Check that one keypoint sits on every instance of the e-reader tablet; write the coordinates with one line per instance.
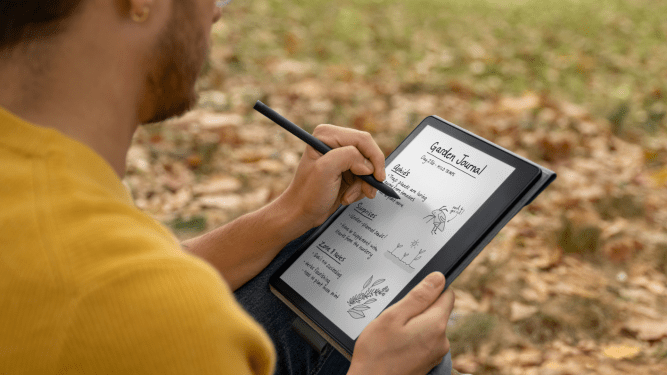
(457, 191)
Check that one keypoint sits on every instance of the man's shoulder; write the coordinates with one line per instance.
(168, 311)
(169, 279)
(125, 240)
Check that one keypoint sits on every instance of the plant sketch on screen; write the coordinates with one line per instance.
(440, 217)
(363, 300)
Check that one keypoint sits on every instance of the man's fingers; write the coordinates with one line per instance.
(336, 137)
(346, 158)
(357, 191)
(421, 297)
(352, 194)
(368, 190)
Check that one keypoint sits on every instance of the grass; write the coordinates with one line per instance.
(607, 56)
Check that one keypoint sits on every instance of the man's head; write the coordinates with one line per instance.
(22, 20)
(164, 42)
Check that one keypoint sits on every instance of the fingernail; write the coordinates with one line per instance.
(435, 279)
(369, 165)
(351, 194)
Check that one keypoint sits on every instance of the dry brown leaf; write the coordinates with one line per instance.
(517, 105)
(228, 202)
(310, 89)
(271, 166)
(465, 302)
(519, 311)
(622, 351)
(292, 67)
(660, 177)
(219, 120)
(250, 155)
(646, 329)
(217, 185)
(530, 357)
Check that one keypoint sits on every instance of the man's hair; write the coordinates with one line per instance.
(30, 20)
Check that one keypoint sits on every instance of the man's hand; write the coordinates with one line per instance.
(244, 247)
(323, 182)
(409, 337)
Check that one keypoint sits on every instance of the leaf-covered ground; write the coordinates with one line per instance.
(576, 283)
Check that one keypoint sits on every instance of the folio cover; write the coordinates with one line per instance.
(337, 298)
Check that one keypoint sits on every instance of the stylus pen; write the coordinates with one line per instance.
(316, 144)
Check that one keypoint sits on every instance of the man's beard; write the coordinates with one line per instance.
(178, 58)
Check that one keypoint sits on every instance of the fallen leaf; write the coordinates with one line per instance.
(524, 103)
(194, 161)
(530, 357)
(660, 177)
(216, 185)
(647, 330)
(520, 311)
(621, 351)
(219, 120)
(231, 201)
(271, 166)
(292, 43)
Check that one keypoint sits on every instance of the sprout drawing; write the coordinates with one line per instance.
(367, 291)
(398, 246)
(405, 257)
(419, 256)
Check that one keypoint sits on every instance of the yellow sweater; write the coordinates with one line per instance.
(91, 285)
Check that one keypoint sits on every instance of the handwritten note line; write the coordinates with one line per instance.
(460, 170)
(327, 254)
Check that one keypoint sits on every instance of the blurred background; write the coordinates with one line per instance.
(576, 283)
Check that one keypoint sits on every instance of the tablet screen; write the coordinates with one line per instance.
(369, 253)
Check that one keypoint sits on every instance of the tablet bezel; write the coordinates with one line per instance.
(494, 209)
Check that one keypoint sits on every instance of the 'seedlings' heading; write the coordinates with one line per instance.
(463, 162)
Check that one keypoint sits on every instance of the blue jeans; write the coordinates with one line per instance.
(295, 355)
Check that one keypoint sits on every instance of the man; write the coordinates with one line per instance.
(88, 283)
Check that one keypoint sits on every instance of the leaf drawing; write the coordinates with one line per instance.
(356, 314)
(378, 282)
(360, 308)
(367, 283)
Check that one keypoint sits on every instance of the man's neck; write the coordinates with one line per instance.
(46, 86)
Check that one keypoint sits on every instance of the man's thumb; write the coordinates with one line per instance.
(422, 296)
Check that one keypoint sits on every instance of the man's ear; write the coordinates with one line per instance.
(136, 10)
